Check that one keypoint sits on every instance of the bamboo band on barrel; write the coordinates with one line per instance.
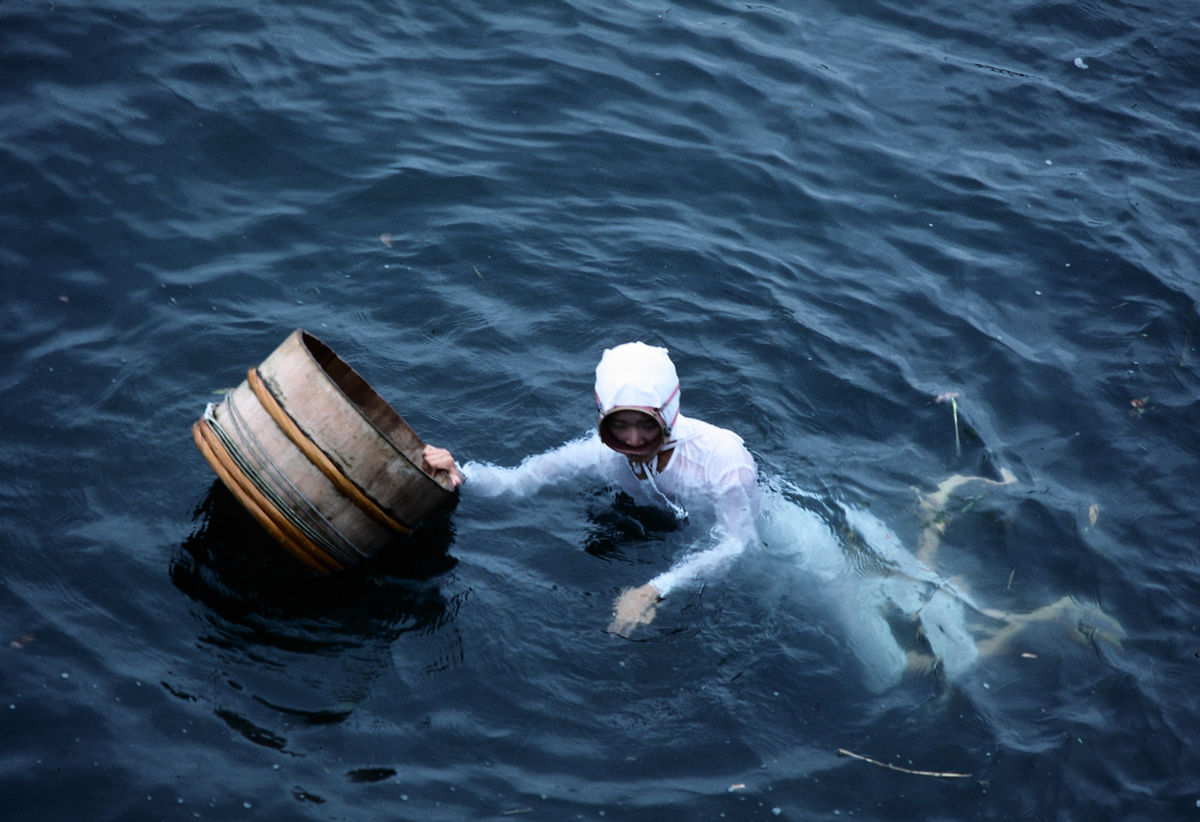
(318, 457)
(262, 510)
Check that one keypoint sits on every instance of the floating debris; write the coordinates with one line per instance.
(1079, 64)
(386, 239)
(21, 641)
(891, 767)
(1093, 514)
(996, 69)
(952, 397)
(367, 775)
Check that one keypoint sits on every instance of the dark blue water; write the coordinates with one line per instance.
(831, 213)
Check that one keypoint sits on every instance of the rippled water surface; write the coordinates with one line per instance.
(831, 213)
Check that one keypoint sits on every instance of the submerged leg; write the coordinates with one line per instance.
(943, 623)
(934, 514)
(1087, 624)
(921, 663)
(870, 637)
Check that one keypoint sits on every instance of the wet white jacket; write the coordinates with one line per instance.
(709, 468)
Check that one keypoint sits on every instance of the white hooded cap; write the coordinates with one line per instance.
(639, 377)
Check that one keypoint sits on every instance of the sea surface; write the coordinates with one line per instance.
(832, 213)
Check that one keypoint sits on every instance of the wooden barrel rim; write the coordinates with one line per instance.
(308, 341)
(267, 515)
(318, 457)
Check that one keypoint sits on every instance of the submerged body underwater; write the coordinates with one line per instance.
(895, 612)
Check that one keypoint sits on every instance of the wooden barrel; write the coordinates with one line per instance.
(323, 463)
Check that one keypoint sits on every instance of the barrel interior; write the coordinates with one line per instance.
(363, 397)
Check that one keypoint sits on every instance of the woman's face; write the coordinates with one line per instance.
(634, 429)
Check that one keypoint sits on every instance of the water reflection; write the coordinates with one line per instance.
(232, 566)
(292, 648)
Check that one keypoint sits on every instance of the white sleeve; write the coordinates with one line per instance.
(736, 508)
(575, 459)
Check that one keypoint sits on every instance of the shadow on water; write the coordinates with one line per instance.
(615, 526)
(301, 646)
(232, 566)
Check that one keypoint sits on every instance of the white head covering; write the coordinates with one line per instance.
(637, 377)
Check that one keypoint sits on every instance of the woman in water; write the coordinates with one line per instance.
(644, 446)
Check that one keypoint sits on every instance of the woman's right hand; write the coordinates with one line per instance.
(439, 459)
(635, 606)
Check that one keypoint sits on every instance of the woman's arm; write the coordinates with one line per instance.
(575, 459)
(736, 509)
(735, 504)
